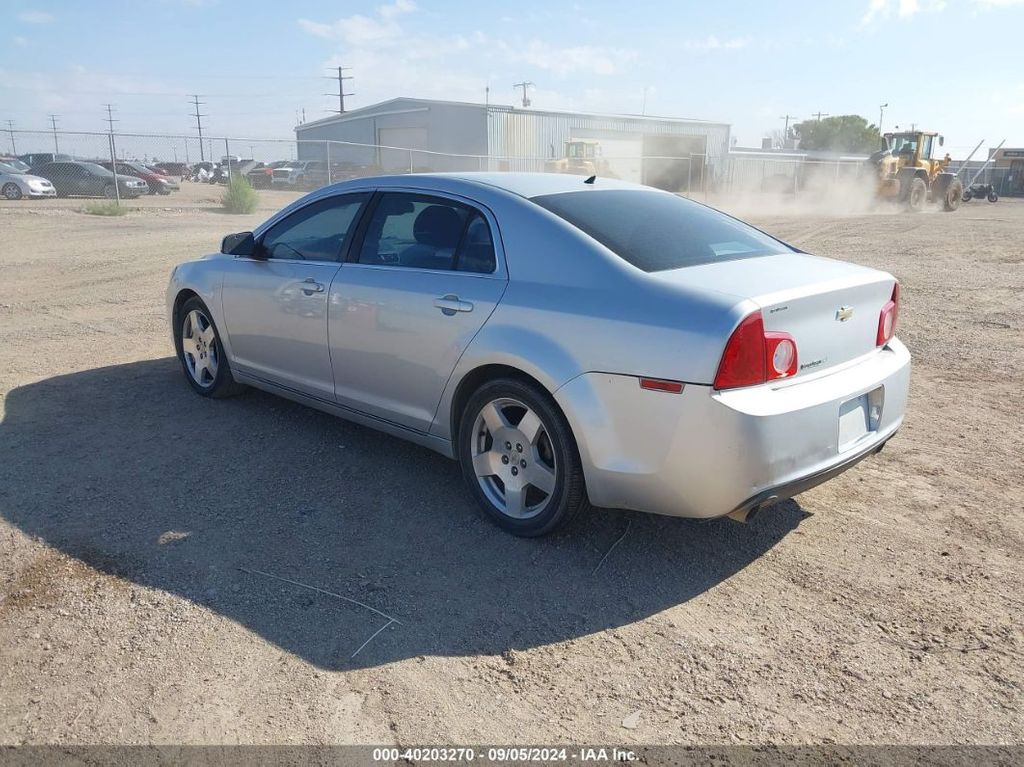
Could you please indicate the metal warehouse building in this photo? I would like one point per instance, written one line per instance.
(406, 134)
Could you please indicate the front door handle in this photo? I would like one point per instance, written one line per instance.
(310, 286)
(451, 303)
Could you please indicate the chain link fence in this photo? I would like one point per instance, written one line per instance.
(69, 160)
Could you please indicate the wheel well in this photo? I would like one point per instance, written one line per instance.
(179, 300)
(473, 380)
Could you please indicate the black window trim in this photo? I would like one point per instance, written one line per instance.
(356, 246)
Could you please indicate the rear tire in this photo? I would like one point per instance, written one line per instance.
(917, 195)
(12, 191)
(201, 353)
(953, 195)
(519, 458)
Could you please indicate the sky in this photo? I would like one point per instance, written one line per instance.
(955, 66)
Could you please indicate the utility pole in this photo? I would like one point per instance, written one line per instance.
(110, 118)
(341, 77)
(818, 115)
(53, 123)
(524, 85)
(113, 151)
(785, 131)
(881, 113)
(199, 126)
(643, 109)
(10, 129)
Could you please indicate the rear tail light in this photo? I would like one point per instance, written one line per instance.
(887, 318)
(753, 356)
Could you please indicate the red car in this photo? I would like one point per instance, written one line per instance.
(158, 183)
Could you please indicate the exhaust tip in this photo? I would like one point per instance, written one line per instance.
(747, 515)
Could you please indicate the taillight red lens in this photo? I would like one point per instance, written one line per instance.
(743, 361)
(753, 356)
(887, 318)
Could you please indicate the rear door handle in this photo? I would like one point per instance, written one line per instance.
(451, 303)
(310, 286)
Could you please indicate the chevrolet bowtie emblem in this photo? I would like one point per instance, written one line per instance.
(843, 313)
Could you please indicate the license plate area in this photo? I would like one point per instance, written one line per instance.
(859, 418)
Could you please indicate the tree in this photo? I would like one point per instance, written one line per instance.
(844, 133)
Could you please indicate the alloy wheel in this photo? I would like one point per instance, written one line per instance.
(199, 348)
(513, 458)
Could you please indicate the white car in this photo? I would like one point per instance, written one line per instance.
(16, 183)
(568, 341)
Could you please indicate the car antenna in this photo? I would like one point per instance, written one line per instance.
(590, 180)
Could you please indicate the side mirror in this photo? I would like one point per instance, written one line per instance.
(942, 140)
(239, 244)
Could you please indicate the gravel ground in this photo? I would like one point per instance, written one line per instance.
(140, 527)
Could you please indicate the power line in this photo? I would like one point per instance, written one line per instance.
(524, 85)
(341, 78)
(818, 115)
(199, 125)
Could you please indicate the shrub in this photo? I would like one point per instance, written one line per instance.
(105, 208)
(239, 197)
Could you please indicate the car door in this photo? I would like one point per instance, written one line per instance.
(420, 281)
(80, 181)
(275, 302)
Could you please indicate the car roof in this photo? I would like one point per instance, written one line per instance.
(537, 184)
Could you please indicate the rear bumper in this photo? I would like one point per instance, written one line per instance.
(705, 453)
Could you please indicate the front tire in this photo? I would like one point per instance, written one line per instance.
(519, 458)
(12, 191)
(110, 192)
(201, 353)
(917, 194)
(993, 197)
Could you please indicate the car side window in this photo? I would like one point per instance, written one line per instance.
(316, 232)
(424, 232)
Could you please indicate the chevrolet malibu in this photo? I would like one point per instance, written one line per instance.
(570, 341)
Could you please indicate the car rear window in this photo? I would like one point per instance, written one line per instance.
(655, 231)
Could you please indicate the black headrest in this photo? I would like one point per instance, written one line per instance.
(438, 226)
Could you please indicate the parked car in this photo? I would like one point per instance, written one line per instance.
(568, 341)
(16, 183)
(87, 179)
(35, 159)
(156, 183)
(292, 175)
(262, 175)
(179, 169)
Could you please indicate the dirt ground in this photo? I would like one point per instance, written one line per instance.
(140, 526)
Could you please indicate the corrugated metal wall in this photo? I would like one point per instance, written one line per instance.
(514, 133)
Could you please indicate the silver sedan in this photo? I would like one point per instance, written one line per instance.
(570, 342)
(16, 182)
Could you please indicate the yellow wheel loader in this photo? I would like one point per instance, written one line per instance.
(907, 173)
(582, 158)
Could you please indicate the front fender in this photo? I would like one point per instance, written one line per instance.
(204, 278)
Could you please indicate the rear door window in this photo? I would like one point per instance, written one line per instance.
(425, 232)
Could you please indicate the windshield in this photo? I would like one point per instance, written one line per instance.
(8, 168)
(655, 231)
(12, 165)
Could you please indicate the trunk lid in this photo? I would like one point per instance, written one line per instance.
(831, 308)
